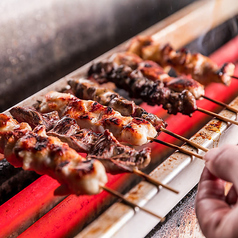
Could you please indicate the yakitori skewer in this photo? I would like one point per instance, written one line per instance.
(221, 104)
(184, 139)
(153, 181)
(88, 90)
(200, 67)
(92, 115)
(149, 91)
(115, 157)
(130, 203)
(176, 147)
(225, 119)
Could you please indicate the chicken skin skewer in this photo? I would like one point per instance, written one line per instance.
(200, 67)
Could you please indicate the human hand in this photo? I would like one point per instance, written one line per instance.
(218, 214)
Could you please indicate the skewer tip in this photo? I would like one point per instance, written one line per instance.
(154, 181)
(222, 118)
(185, 151)
(132, 204)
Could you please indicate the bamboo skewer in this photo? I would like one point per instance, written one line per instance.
(132, 204)
(235, 77)
(183, 139)
(176, 147)
(217, 116)
(153, 181)
(221, 104)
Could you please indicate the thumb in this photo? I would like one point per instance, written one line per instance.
(223, 163)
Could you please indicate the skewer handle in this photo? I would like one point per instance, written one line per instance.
(154, 181)
(217, 116)
(235, 77)
(221, 104)
(176, 147)
(132, 204)
(183, 139)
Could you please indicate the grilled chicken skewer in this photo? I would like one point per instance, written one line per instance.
(92, 115)
(154, 93)
(33, 150)
(115, 157)
(88, 90)
(200, 67)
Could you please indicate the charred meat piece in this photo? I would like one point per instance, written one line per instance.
(68, 131)
(126, 58)
(153, 71)
(34, 118)
(138, 43)
(116, 157)
(10, 132)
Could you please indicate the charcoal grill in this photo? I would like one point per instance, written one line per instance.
(34, 211)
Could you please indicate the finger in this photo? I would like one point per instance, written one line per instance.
(210, 187)
(210, 203)
(223, 163)
(231, 197)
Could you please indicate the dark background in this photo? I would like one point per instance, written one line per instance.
(42, 41)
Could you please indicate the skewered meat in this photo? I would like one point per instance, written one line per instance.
(88, 90)
(92, 115)
(115, 157)
(154, 93)
(33, 150)
(153, 71)
(104, 147)
(68, 131)
(200, 67)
